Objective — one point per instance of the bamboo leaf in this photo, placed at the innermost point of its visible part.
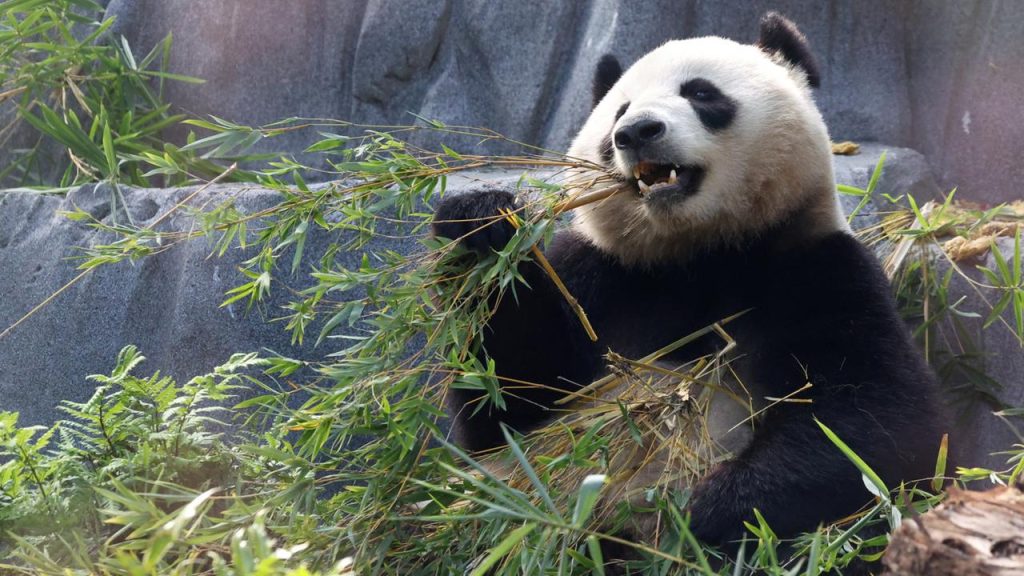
(872, 478)
(503, 548)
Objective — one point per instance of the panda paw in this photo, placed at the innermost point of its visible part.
(474, 219)
(716, 509)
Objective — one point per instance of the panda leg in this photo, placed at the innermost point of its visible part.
(796, 478)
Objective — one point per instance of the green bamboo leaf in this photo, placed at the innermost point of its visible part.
(586, 498)
(108, 151)
(594, 546)
(852, 456)
(851, 190)
(176, 77)
(876, 174)
(503, 548)
(299, 236)
(542, 490)
(940, 464)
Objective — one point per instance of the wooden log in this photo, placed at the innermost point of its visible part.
(970, 534)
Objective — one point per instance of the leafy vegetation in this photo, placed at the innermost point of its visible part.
(930, 252)
(80, 106)
(136, 481)
(342, 466)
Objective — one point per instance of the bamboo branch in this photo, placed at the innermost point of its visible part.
(584, 199)
(652, 357)
(550, 271)
(564, 206)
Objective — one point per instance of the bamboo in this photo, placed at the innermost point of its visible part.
(584, 199)
(610, 379)
(550, 271)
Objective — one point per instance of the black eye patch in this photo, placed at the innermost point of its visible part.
(622, 110)
(715, 110)
(606, 144)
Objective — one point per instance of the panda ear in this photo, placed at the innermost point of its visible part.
(608, 73)
(780, 36)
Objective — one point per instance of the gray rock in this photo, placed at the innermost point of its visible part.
(167, 304)
(904, 172)
(966, 64)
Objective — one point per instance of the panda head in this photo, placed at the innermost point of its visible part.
(717, 142)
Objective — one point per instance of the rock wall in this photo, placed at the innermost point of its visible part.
(941, 77)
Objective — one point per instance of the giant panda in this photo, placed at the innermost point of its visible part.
(730, 207)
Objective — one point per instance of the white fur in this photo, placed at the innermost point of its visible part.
(773, 158)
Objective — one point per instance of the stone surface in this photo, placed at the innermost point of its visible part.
(941, 77)
(966, 64)
(904, 172)
(168, 304)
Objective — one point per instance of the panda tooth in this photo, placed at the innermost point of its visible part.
(672, 177)
(644, 188)
(636, 172)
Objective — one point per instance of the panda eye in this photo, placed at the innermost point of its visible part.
(699, 90)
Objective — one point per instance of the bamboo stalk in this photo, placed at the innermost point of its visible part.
(612, 378)
(195, 193)
(550, 271)
(561, 207)
(584, 199)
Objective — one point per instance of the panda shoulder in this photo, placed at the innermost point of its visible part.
(842, 263)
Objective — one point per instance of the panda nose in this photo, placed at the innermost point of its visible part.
(638, 134)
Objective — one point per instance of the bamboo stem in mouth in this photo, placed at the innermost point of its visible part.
(589, 198)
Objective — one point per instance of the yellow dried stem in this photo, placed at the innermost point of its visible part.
(584, 199)
(550, 271)
(654, 432)
(611, 379)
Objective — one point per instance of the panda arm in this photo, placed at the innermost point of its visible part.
(539, 348)
(831, 320)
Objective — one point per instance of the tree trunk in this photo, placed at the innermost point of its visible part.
(970, 534)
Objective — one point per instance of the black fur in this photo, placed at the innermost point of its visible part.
(779, 35)
(474, 217)
(622, 110)
(715, 110)
(820, 312)
(607, 74)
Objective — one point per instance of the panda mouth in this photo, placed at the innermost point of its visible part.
(666, 179)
